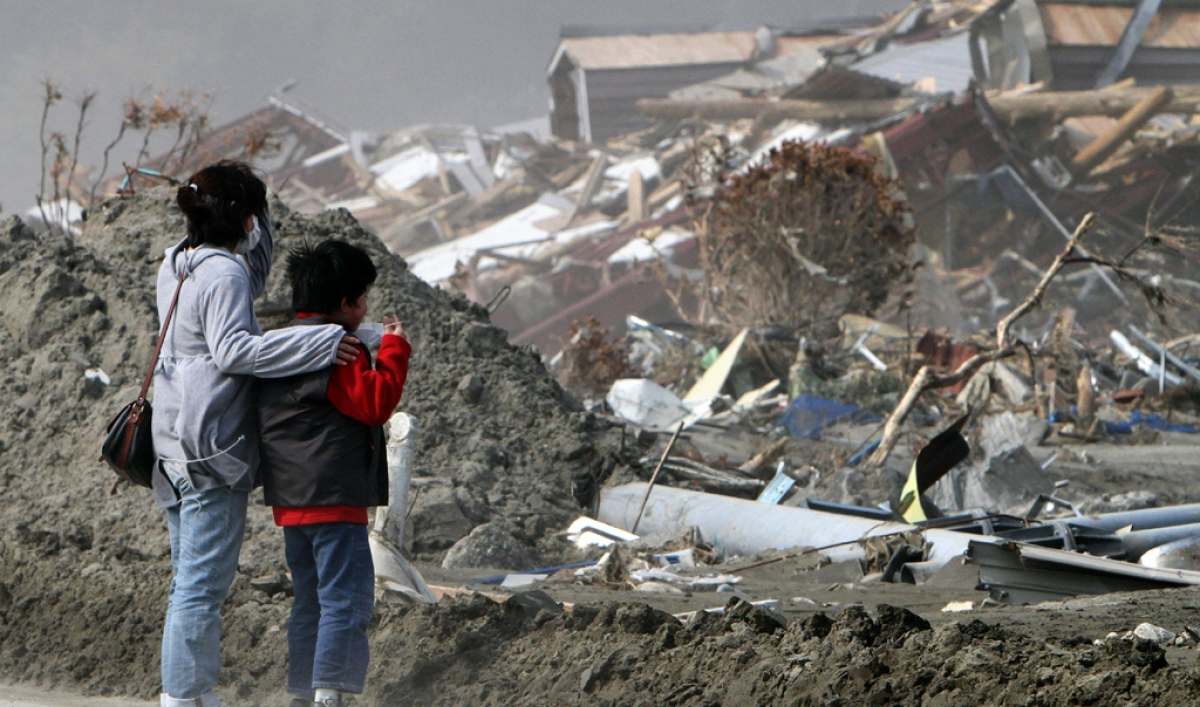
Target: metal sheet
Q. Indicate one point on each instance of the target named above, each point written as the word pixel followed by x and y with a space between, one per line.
pixel 1131 37
pixel 946 60
pixel 1022 574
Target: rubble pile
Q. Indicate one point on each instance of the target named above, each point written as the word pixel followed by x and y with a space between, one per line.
pixel 608 210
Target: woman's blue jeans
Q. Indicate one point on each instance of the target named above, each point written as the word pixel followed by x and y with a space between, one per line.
pixel 334 582
pixel 206 537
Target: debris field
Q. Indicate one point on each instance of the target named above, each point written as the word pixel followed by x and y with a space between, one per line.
pixel 849 364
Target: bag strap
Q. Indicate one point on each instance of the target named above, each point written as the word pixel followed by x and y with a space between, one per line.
pixel 162 335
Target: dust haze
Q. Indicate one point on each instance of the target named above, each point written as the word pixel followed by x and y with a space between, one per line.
pixel 369 65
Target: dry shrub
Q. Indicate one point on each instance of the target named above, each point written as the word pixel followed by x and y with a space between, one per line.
pixel 590 363
pixel 811 234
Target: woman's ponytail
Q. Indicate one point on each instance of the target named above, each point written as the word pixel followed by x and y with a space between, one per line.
pixel 216 202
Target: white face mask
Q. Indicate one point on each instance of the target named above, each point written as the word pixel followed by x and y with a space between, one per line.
pixel 252 238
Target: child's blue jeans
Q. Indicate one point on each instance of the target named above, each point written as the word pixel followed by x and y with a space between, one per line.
pixel 334 581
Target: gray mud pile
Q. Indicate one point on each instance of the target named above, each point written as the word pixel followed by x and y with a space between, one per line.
pixel 83 573
pixel 477 652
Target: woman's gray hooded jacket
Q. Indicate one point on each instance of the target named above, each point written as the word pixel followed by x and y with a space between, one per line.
pixel 204 379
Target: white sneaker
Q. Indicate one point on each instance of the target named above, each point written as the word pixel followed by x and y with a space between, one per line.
pixel 327 698
pixel 208 699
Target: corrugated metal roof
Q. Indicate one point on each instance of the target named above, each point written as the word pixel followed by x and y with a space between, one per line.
pixel 947 60
pixel 645 50
pixel 1075 24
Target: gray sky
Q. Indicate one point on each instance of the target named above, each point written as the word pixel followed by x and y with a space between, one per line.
pixel 365 64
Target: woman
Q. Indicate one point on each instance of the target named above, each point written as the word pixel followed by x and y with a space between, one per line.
pixel 204 428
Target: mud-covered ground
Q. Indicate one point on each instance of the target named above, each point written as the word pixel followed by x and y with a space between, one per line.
pixel 84 573
pixel 476 652
pixel 91 638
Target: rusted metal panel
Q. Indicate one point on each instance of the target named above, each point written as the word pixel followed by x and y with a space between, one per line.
pixel 1070 24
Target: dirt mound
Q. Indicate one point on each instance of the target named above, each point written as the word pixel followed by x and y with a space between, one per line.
pixel 83 573
pixel 474 651
pixel 506 452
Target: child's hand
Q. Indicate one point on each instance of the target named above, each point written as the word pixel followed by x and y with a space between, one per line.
pixel 391 325
pixel 347 351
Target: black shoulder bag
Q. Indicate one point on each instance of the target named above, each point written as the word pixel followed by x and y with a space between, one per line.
pixel 129 446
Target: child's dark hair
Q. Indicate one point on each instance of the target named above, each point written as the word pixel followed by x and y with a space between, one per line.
pixel 216 201
pixel 324 275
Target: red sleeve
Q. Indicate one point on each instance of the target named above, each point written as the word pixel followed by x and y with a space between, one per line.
pixel 370 396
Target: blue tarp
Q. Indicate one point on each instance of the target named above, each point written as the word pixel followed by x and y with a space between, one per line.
pixel 808 415
pixel 1151 420
pixel 1135 418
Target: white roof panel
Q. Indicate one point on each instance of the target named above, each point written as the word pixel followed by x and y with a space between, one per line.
pixel 947 60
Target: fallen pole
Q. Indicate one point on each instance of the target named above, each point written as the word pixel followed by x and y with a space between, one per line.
pixel 832 111
pixel 650 486
pixel 1131 121
pixel 1056 106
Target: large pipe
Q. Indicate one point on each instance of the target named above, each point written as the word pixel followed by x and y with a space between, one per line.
pixel 1181 555
pixel 1143 519
pixel 748 527
pixel 1140 542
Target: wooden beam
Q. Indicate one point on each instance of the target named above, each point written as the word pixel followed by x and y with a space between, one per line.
pixel 1070 104
pixel 1105 145
pixel 736 109
pixel 428 212
pixel 636 197
pixel 1056 106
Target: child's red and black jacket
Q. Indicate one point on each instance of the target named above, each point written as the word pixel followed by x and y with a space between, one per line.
pixel 323 457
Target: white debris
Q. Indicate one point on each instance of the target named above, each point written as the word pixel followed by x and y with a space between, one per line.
pixel 1150 632
pixel 683 558
pixel 657 588
pixel 97 374
pixel 521 581
pixel 646 403
pixel 698 583
pixel 959 606
pixel 585 532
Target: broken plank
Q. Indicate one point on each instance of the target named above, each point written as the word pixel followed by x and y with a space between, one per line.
pixel 1105 145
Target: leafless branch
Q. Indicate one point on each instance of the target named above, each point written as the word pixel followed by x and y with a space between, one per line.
pixel 84 103
pixel 52 96
pixel 926 379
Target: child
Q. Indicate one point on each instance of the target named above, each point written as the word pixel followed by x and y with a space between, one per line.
pixel 324 462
